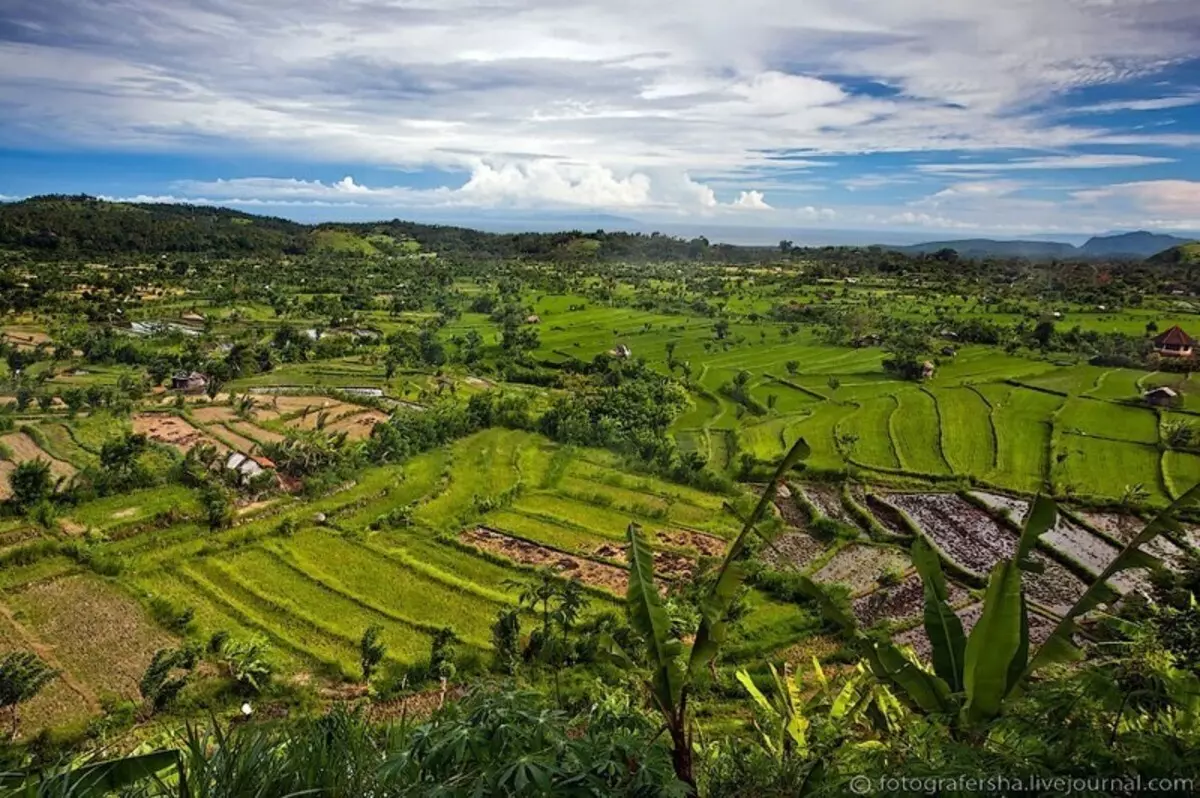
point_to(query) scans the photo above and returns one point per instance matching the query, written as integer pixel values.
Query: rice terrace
(251, 467)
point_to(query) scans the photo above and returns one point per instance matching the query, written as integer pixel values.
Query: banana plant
(973, 676)
(787, 734)
(98, 779)
(814, 728)
(671, 678)
(1060, 646)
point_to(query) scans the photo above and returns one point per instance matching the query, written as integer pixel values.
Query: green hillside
(1182, 255)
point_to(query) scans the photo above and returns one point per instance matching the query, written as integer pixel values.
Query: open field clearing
(63, 702)
(213, 414)
(1016, 508)
(791, 551)
(967, 535)
(173, 431)
(606, 577)
(274, 406)
(254, 432)
(901, 602)
(99, 634)
(358, 425)
(861, 567)
(827, 499)
(1090, 553)
(23, 448)
(1124, 528)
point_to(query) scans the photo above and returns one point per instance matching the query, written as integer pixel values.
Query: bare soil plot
(24, 448)
(1126, 527)
(899, 602)
(608, 577)
(239, 442)
(1056, 588)
(213, 413)
(273, 407)
(172, 430)
(58, 703)
(967, 535)
(1191, 536)
(668, 565)
(1092, 553)
(1016, 508)
(791, 513)
(706, 545)
(100, 635)
(333, 413)
(254, 431)
(359, 425)
(860, 566)
(6, 469)
(1040, 628)
(828, 501)
(791, 551)
(25, 339)
(886, 515)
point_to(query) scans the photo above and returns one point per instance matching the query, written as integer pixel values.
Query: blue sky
(1008, 118)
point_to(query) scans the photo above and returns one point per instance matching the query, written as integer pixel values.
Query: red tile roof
(1174, 337)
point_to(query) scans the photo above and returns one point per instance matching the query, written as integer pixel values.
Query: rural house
(247, 466)
(1160, 397)
(1174, 343)
(621, 351)
(193, 382)
(533, 318)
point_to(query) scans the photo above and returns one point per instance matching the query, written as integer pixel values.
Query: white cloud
(536, 184)
(616, 82)
(981, 188)
(1148, 104)
(752, 200)
(1170, 197)
(597, 103)
(1047, 162)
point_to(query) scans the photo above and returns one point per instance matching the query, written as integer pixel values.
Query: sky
(920, 118)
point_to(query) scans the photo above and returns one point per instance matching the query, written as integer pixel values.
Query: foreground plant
(671, 680)
(974, 677)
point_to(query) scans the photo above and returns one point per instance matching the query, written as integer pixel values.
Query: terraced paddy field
(310, 588)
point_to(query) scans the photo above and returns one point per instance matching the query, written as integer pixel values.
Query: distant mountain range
(1133, 246)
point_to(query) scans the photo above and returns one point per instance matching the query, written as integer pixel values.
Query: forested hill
(67, 226)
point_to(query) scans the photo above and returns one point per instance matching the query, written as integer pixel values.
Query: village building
(1174, 343)
(621, 351)
(533, 318)
(247, 466)
(1160, 397)
(189, 382)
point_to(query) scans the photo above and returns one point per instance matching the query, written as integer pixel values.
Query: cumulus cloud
(604, 103)
(752, 200)
(534, 184)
